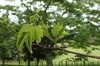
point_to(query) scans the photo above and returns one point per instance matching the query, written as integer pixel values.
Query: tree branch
(47, 6)
(26, 6)
(49, 48)
(92, 56)
(62, 49)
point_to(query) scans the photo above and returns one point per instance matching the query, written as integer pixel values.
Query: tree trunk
(18, 58)
(37, 61)
(49, 58)
(28, 62)
(3, 62)
(29, 59)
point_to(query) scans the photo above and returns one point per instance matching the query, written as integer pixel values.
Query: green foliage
(6, 50)
(70, 14)
(33, 19)
(39, 33)
(77, 15)
(7, 29)
(3, 51)
(58, 31)
(27, 35)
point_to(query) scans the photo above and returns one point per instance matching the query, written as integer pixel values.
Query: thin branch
(47, 6)
(92, 56)
(27, 7)
(49, 48)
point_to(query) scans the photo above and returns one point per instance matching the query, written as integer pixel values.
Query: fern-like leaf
(27, 35)
(20, 41)
(24, 37)
(56, 28)
(58, 31)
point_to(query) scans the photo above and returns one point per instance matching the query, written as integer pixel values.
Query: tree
(7, 36)
(3, 53)
(79, 15)
(79, 32)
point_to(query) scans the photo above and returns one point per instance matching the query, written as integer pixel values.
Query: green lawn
(90, 62)
(62, 57)
(59, 58)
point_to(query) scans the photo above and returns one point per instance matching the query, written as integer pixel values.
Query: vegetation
(7, 36)
(52, 25)
(63, 58)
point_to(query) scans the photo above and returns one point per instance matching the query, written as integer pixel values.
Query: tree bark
(49, 58)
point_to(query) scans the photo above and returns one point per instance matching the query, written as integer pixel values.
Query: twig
(47, 6)
(92, 56)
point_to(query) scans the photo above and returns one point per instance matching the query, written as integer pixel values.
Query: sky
(16, 2)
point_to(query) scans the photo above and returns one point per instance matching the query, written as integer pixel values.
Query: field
(61, 59)
(91, 61)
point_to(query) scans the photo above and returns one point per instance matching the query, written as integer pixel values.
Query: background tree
(8, 39)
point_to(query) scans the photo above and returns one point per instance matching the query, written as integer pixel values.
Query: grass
(90, 62)
(62, 58)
